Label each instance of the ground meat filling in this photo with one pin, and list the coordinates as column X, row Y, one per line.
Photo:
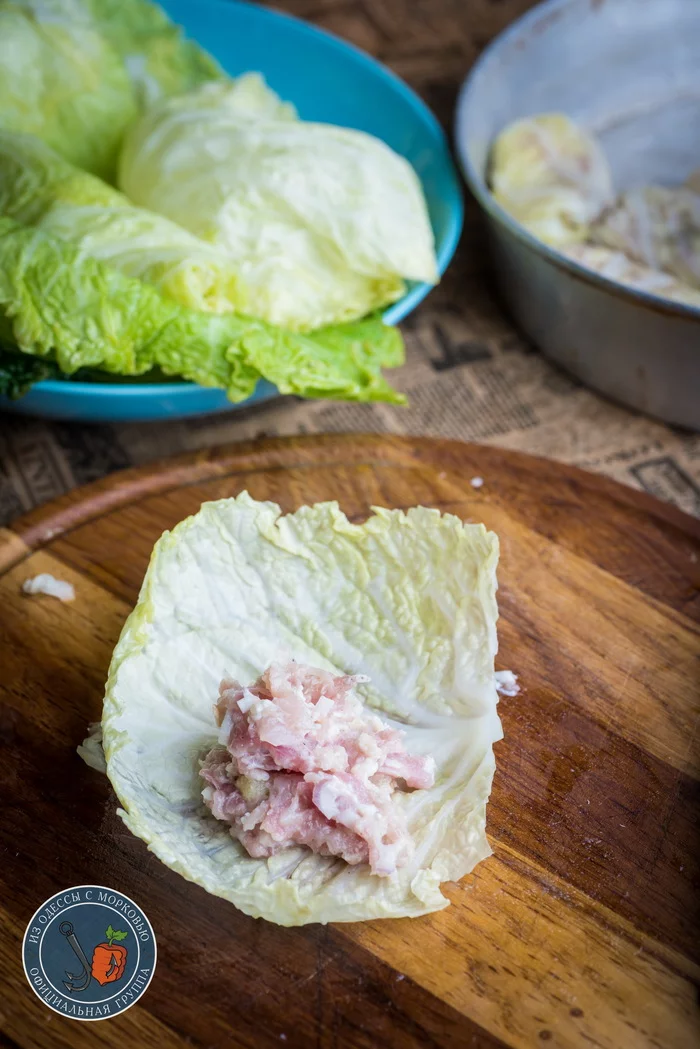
column 301, row 761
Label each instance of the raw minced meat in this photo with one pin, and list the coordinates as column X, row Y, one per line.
column 301, row 761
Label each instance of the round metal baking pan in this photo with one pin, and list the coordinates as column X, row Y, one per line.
column 629, row 71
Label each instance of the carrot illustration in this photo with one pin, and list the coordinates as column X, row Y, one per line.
column 109, row 959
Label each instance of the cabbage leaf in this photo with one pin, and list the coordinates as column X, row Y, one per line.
column 58, row 303
column 39, row 188
column 77, row 72
column 323, row 223
column 406, row 598
column 160, row 60
column 60, row 79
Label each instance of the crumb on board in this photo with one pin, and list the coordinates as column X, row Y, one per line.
column 507, row 683
column 476, row 482
column 44, row 583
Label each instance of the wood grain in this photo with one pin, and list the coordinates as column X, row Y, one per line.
column 580, row 930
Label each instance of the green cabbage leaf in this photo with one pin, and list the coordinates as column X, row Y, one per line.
column 77, row 72
column 60, row 79
column 39, row 188
column 159, row 59
column 59, row 304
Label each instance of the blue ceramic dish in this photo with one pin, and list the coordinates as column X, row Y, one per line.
column 328, row 80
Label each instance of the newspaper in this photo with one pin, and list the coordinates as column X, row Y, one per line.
column 469, row 375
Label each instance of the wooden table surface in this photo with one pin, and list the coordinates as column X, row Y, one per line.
column 581, row 929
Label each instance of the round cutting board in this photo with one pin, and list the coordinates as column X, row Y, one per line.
column 579, row 931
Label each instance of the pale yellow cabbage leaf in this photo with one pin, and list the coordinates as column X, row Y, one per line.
column 406, row 598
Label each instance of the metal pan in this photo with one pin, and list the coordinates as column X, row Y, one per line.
column 629, row 71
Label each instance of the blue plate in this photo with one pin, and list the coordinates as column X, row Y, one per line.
column 328, row 80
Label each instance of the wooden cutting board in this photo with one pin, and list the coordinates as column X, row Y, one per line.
column 581, row 930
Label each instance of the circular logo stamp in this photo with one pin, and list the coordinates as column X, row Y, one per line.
column 89, row 952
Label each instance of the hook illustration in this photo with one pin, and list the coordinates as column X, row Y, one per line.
column 75, row 981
